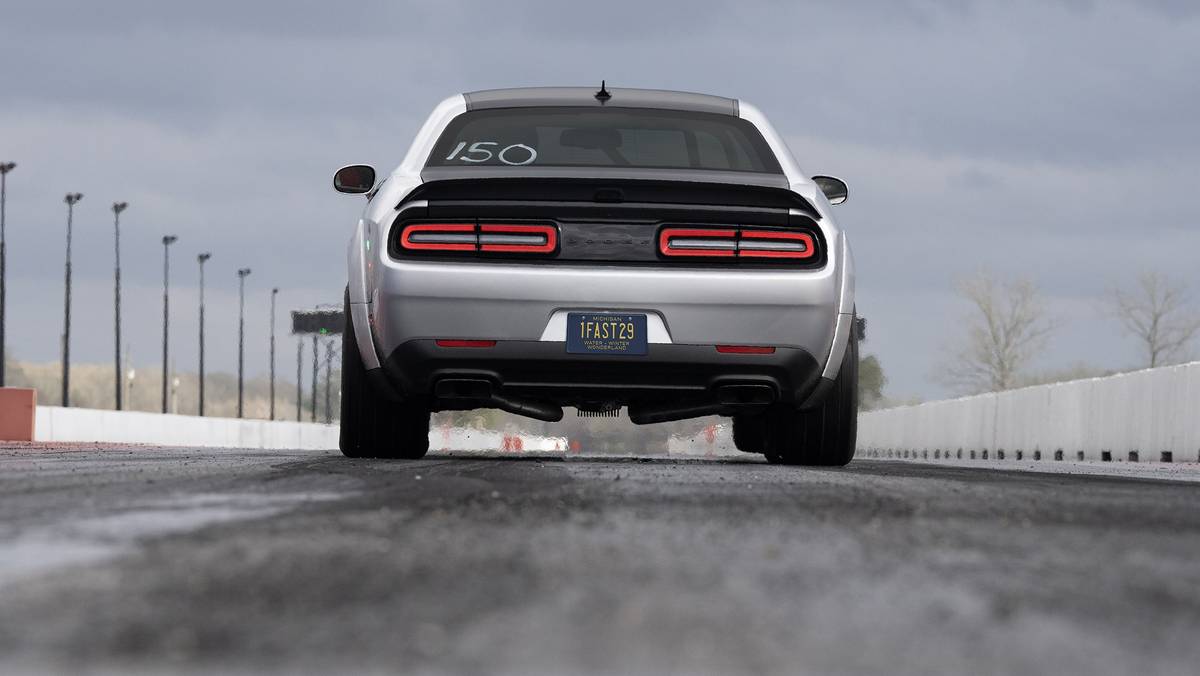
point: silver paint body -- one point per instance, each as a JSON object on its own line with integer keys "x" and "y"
{"x": 392, "y": 301}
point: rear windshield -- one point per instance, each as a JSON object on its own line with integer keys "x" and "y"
{"x": 607, "y": 137}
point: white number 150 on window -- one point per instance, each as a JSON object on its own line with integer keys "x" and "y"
{"x": 477, "y": 152}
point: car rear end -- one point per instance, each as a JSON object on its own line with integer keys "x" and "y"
{"x": 651, "y": 251}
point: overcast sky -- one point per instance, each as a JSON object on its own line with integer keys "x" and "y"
{"x": 1058, "y": 141}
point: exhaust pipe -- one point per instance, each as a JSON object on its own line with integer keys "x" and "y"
{"x": 538, "y": 410}
{"x": 477, "y": 389}
{"x": 647, "y": 414}
{"x": 729, "y": 396}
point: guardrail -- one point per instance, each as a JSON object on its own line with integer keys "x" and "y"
{"x": 55, "y": 423}
{"x": 1148, "y": 415}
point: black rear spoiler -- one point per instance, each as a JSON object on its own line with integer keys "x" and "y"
{"x": 760, "y": 191}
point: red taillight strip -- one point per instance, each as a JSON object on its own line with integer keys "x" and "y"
{"x": 520, "y": 234}
{"x": 489, "y": 237}
{"x": 747, "y": 247}
{"x": 745, "y": 349}
{"x": 445, "y": 342}
{"x": 433, "y": 229}
{"x": 742, "y": 243}
{"x": 667, "y": 247}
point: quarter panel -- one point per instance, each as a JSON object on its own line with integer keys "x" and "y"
{"x": 355, "y": 254}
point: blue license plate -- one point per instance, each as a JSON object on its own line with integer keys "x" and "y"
{"x": 606, "y": 333}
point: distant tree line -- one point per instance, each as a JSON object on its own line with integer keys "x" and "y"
{"x": 1008, "y": 326}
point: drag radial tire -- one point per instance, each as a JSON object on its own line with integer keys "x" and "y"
{"x": 374, "y": 426}
{"x": 749, "y": 433}
{"x": 824, "y": 435}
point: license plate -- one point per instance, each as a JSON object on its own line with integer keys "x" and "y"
{"x": 606, "y": 333}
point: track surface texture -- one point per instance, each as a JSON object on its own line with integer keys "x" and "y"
{"x": 138, "y": 559}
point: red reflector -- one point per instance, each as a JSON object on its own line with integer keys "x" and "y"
{"x": 425, "y": 237}
{"x": 775, "y": 244}
{"x": 512, "y": 238}
{"x": 697, "y": 242}
{"x": 745, "y": 349}
{"x": 465, "y": 343}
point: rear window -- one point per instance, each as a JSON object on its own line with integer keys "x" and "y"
{"x": 606, "y": 137}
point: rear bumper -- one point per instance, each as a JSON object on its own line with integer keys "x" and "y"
{"x": 546, "y": 372}
{"x": 413, "y": 300}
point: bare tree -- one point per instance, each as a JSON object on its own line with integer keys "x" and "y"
{"x": 1006, "y": 328}
{"x": 1156, "y": 312}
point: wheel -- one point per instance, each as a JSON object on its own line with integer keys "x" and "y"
{"x": 825, "y": 435}
{"x": 372, "y": 425}
{"x": 749, "y": 433}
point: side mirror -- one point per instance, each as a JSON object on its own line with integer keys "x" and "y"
{"x": 354, "y": 179}
{"x": 835, "y": 189}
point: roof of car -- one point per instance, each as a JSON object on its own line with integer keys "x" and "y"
{"x": 586, "y": 96}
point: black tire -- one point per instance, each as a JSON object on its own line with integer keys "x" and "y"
{"x": 374, "y": 426}
{"x": 749, "y": 433}
{"x": 826, "y": 435}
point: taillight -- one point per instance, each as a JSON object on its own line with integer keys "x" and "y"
{"x": 697, "y": 242}
{"x": 511, "y": 238}
{"x": 775, "y": 244}
{"x": 439, "y": 237}
{"x": 494, "y": 238}
{"x": 739, "y": 243}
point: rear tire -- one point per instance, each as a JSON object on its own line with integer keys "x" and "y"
{"x": 826, "y": 435}
{"x": 372, "y": 425}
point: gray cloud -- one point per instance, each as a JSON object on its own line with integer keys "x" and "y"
{"x": 1055, "y": 140}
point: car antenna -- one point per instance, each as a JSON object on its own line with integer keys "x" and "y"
{"x": 603, "y": 96}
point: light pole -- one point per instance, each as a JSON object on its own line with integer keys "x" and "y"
{"x": 5, "y": 167}
{"x": 299, "y": 379}
{"x": 274, "y": 292}
{"x": 328, "y": 380}
{"x": 167, "y": 241}
{"x": 241, "y": 331}
{"x": 314, "y": 380}
{"x": 70, "y": 199}
{"x": 202, "y": 259}
{"x": 117, "y": 208}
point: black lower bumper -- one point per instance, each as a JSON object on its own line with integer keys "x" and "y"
{"x": 545, "y": 372}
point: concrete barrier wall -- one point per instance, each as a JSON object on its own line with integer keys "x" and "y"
{"x": 55, "y": 423}
{"x": 1144, "y": 412}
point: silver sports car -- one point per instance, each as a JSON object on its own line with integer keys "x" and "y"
{"x": 565, "y": 246}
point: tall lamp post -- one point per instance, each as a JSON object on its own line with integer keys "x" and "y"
{"x": 5, "y": 167}
{"x": 202, "y": 259}
{"x": 314, "y": 379}
{"x": 70, "y": 199}
{"x": 118, "y": 380}
{"x": 167, "y": 241}
{"x": 328, "y": 380}
{"x": 241, "y": 333}
{"x": 299, "y": 378}
{"x": 274, "y": 292}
